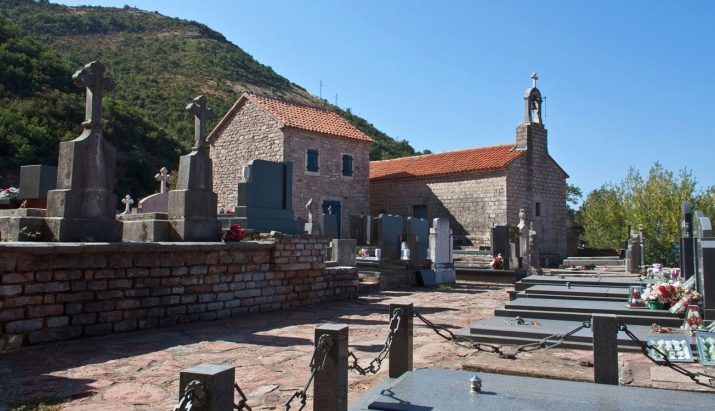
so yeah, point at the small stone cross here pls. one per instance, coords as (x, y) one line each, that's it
(92, 77)
(534, 77)
(127, 200)
(163, 177)
(201, 115)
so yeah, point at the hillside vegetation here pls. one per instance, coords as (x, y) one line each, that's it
(159, 63)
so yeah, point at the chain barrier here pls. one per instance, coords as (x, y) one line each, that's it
(242, 402)
(194, 396)
(665, 361)
(325, 342)
(504, 351)
(376, 363)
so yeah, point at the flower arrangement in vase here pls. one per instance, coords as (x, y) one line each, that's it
(497, 262)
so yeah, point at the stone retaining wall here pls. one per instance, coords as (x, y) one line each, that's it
(57, 291)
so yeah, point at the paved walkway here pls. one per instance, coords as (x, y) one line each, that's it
(271, 353)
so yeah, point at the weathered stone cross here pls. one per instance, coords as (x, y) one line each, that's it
(127, 200)
(534, 77)
(92, 77)
(201, 115)
(163, 177)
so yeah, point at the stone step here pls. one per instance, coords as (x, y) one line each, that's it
(368, 287)
(585, 316)
(578, 291)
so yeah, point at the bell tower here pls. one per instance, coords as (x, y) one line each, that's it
(531, 134)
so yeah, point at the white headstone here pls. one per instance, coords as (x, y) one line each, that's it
(440, 251)
(127, 201)
(163, 178)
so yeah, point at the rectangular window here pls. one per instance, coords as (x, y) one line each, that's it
(347, 165)
(537, 210)
(311, 163)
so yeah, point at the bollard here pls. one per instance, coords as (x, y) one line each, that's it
(401, 350)
(330, 389)
(217, 381)
(605, 348)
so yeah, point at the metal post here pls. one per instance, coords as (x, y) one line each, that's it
(605, 348)
(401, 349)
(217, 381)
(330, 389)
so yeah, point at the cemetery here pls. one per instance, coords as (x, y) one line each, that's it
(185, 303)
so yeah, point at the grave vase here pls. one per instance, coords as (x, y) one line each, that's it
(656, 305)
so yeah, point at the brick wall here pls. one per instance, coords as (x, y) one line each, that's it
(473, 202)
(250, 134)
(329, 184)
(61, 291)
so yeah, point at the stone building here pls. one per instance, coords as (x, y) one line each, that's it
(481, 187)
(330, 157)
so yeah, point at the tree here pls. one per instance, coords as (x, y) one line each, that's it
(654, 202)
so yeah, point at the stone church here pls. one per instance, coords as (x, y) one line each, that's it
(479, 188)
(329, 156)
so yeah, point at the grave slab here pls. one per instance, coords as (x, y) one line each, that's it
(449, 390)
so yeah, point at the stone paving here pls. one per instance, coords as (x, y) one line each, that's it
(271, 353)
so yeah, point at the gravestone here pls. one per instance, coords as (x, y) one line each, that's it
(35, 181)
(417, 230)
(360, 227)
(523, 228)
(159, 202)
(83, 206)
(265, 198)
(440, 251)
(192, 206)
(704, 263)
(329, 224)
(534, 262)
(500, 243)
(633, 255)
(389, 233)
(128, 202)
(312, 226)
(686, 241)
(343, 253)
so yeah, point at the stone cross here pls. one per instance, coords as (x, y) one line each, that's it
(127, 200)
(201, 116)
(534, 77)
(92, 77)
(163, 178)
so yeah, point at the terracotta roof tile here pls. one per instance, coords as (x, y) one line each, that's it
(451, 162)
(309, 118)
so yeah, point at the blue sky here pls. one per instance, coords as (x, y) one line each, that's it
(626, 83)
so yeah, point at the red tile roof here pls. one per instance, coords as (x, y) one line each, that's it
(452, 162)
(309, 118)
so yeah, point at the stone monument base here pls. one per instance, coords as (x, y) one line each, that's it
(195, 229)
(146, 227)
(84, 229)
(24, 224)
(445, 275)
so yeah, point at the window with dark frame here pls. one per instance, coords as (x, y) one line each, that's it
(347, 165)
(537, 210)
(311, 163)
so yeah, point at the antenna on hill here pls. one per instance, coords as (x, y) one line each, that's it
(321, 90)
(336, 100)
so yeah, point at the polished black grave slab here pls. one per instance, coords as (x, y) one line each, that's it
(430, 389)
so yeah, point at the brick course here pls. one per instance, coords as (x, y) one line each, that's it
(86, 296)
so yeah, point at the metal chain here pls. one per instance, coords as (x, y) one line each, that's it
(504, 351)
(665, 361)
(242, 402)
(194, 395)
(325, 342)
(376, 363)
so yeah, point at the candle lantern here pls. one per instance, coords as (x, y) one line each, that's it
(635, 298)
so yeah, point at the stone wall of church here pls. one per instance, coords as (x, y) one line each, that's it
(251, 134)
(536, 178)
(328, 183)
(472, 202)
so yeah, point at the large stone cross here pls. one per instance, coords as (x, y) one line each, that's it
(201, 115)
(163, 177)
(92, 77)
(127, 201)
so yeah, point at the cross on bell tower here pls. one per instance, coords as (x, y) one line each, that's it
(534, 77)
(201, 116)
(92, 77)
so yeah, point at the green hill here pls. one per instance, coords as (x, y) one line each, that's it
(159, 64)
